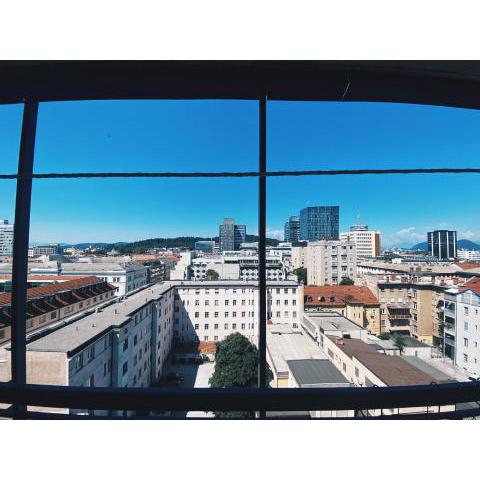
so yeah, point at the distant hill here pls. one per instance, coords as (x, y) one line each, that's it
(177, 242)
(467, 244)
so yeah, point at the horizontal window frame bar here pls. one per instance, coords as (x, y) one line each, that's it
(414, 82)
(277, 173)
(239, 399)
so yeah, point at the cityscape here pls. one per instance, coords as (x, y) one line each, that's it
(342, 310)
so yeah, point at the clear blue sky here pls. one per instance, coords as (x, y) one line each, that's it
(223, 136)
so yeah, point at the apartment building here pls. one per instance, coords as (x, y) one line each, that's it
(357, 303)
(52, 303)
(6, 238)
(124, 344)
(127, 276)
(210, 311)
(40, 250)
(238, 267)
(462, 327)
(329, 261)
(367, 241)
(469, 255)
(362, 365)
(299, 256)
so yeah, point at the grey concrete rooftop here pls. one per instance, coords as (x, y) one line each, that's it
(316, 372)
(329, 321)
(285, 343)
(80, 332)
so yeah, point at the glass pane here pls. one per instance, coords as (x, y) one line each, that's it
(335, 135)
(7, 214)
(10, 132)
(141, 290)
(377, 305)
(147, 136)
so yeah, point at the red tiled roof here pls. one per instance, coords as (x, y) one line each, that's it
(468, 265)
(472, 284)
(53, 289)
(338, 295)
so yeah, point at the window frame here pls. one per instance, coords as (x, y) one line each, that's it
(394, 87)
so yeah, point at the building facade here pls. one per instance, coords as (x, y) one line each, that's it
(292, 230)
(210, 311)
(319, 223)
(330, 261)
(231, 236)
(205, 246)
(6, 238)
(367, 241)
(442, 244)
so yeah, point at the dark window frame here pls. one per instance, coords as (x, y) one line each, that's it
(347, 81)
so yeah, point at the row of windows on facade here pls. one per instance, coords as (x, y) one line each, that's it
(232, 291)
(234, 302)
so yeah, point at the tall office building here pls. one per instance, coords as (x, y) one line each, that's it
(319, 223)
(367, 241)
(231, 235)
(6, 238)
(292, 230)
(442, 244)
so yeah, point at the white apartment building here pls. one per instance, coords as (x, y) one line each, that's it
(467, 332)
(6, 238)
(366, 241)
(40, 250)
(470, 255)
(210, 311)
(181, 271)
(239, 267)
(329, 261)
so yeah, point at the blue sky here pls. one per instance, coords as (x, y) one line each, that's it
(223, 136)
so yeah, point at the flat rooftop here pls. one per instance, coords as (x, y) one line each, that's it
(73, 336)
(331, 321)
(315, 372)
(390, 369)
(285, 343)
(422, 365)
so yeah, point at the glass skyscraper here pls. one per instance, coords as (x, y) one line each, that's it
(319, 223)
(442, 244)
(292, 230)
(231, 235)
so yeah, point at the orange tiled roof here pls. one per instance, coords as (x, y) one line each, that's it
(472, 284)
(338, 295)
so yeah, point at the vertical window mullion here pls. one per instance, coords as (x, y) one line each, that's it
(20, 248)
(262, 284)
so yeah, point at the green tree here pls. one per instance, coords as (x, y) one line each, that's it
(346, 281)
(301, 273)
(384, 336)
(400, 342)
(212, 275)
(236, 365)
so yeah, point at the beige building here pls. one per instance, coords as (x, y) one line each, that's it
(364, 366)
(327, 261)
(367, 241)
